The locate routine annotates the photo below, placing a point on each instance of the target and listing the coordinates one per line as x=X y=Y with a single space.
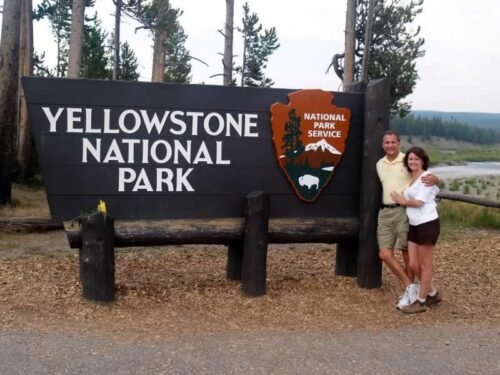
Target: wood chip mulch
x=175 y=290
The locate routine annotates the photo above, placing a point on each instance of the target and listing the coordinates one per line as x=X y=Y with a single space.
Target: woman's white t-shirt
x=427 y=194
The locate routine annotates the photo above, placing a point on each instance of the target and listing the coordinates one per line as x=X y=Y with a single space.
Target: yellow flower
x=101 y=207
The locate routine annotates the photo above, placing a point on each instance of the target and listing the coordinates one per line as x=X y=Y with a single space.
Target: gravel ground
x=444 y=349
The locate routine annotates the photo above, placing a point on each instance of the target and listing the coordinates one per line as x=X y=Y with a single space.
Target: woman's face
x=414 y=162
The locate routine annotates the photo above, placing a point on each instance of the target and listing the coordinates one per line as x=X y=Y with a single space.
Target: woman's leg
x=425 y=255
x=413 y=259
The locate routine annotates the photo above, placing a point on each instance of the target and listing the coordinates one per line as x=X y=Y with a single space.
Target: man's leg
x=387 y=256
x=408 y=269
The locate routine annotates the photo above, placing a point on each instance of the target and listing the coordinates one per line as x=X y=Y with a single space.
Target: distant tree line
x=437 y=127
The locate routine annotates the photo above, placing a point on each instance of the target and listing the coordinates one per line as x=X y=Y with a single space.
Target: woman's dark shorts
x=426 y=233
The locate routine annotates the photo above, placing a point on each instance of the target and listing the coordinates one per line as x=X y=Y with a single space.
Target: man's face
x=390 y=144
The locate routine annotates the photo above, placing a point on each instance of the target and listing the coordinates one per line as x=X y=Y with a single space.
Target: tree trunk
x=159 y=48
x=9 y=76
x=76 y=39
x=24 y=149
x=116 y=56
x=350 y=37
x=228 y=43
x=368 y=39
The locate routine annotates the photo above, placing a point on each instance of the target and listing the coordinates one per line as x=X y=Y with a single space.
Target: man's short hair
x=391 y=132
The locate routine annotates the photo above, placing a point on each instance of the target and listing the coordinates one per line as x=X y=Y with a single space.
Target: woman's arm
x=400 y=199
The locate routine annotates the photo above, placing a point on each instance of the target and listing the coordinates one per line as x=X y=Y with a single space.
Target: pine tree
x=94 y=58
x=128 y=64
x=58 y=13
x=171 y=59
x=177 y=66
x=292 y=145
x=394 y=47
x=258 y=45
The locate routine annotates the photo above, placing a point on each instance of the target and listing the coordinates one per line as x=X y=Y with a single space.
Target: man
x=392 y=227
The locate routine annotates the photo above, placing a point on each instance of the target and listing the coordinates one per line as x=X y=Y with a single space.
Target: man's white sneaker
x=409 y=296
x=404 y=300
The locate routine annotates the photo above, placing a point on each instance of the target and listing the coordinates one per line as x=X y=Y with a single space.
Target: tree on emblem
x=292 y=145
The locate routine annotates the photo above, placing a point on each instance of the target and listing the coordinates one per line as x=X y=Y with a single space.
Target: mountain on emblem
x=324 y=145
x=309 y=136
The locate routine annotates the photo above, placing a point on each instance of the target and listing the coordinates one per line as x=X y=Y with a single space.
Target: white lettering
x=177 y=121
x=249 y=124
x=154 y=151
x=72 y=118
x=95 y=151
x=88 y=122
x=233 y=123
x=206 y=124
x=125 y=176
x=114 y=153
x=52 y=118
x=182 y=181
x=218 y=157
x=154 y=122
x=107 y=117
x=185 y=151
x=194 y=126
x=164 y=176
x=131 y=148
x=136 y=119
x=142 y=182
x=324 y=133
x=203 y=156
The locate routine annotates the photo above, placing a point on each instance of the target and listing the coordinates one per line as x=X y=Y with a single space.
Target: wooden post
x=346 y=256
x=97 y=258
x=234 y=260
x=377 y=103
x=253 y=282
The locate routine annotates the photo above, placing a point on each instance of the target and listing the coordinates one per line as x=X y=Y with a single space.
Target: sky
x=457 y=73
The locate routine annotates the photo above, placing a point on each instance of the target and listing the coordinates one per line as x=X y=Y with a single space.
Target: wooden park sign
x=178 y=163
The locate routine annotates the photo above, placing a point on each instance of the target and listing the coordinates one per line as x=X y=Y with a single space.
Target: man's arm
x=430 y=179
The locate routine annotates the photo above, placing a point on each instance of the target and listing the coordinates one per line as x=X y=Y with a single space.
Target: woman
x=424 y=227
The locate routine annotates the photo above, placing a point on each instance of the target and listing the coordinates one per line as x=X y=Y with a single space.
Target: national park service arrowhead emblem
x=309 y=135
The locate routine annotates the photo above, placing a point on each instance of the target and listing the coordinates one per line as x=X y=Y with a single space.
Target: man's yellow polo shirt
x=393 y=176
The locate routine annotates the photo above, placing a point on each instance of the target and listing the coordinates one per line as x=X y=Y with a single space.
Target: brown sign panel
x=309 y=135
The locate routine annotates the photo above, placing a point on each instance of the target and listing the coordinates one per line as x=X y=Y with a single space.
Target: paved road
x=449 y=349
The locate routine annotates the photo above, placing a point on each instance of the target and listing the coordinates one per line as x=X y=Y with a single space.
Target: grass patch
x=461 y=215
x=27 y=201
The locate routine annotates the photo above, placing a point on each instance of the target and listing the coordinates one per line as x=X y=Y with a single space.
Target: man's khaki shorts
x=392 y=228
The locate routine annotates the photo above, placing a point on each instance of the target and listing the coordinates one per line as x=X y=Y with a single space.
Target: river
x=467 y=170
